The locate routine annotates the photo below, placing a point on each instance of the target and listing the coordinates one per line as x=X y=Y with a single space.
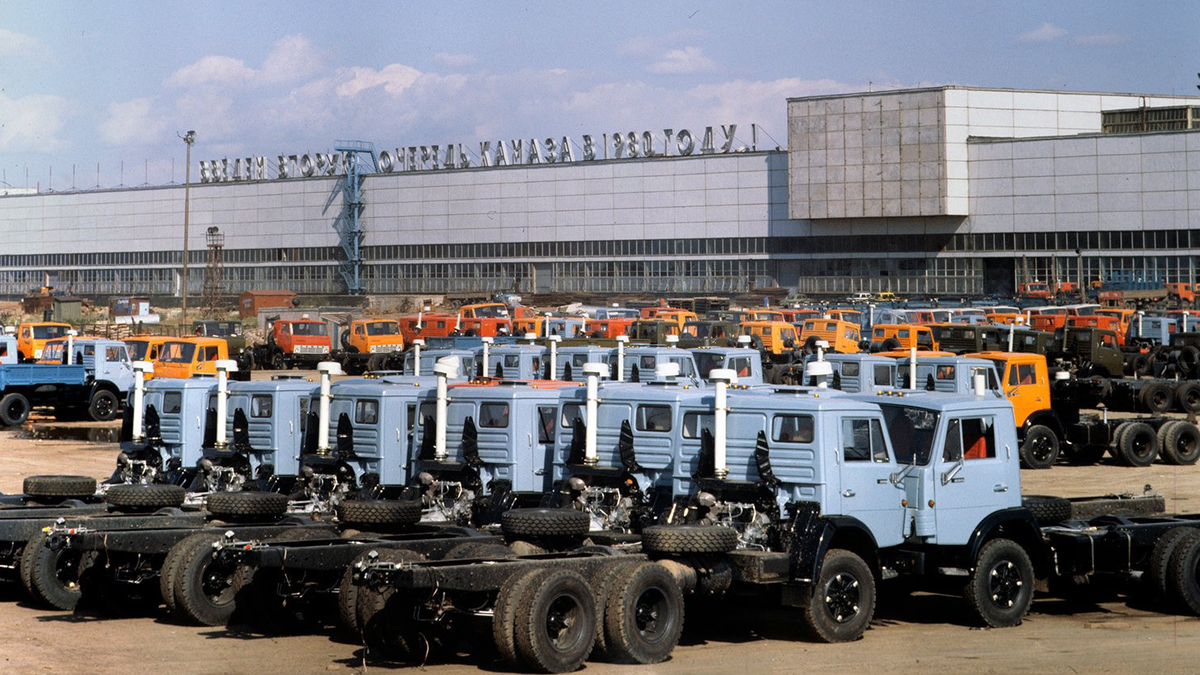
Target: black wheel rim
x=1142 y=446
x=104 y=406
x=563 y=619
x=652 y=614
x=66 y=570
x=1040 y=448
x=843 y=597
x=1185 y=446
x=218 y=583
x=1005 y=584
x=1160 y=400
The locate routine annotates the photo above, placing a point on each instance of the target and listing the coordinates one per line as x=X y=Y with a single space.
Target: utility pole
x=189 y=138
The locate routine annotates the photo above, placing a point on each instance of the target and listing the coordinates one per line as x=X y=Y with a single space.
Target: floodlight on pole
x=188 y=138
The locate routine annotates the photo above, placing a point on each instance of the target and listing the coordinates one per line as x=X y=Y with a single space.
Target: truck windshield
x=49 y=332
x=177 y=352
x=706 y=362
x=137 y=350
x=491 y=312
x=911 y=431
x=383 y=328
x=217 y=328
x=309 y=329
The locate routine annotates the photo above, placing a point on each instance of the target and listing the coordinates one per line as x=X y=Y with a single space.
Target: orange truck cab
x=427 y=325
x=32 y=337
x=532 y=324
x=767 y=315
x=772 y=338
x=145 y=348
x=1099 y=321
x=1181 y=293
x=843 y=336
x=1025 y=379
x=1047 y=322
x=653 y=312
x=374 y=336
x=1034 y=289
x=485 y=326
x=1006 y=318
x=296 y=342
x=902 y=336
x=608 y=328
x=188 y=356
x=679 y=316
x=1125 y=318
x=484 y=310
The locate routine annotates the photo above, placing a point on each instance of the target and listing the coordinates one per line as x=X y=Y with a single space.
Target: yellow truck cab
x=32 y=337
x=773 y=337
x=1025 y=379
x=886 y=337
x=188 y=356
x=678 y=316
x=374 y=336
x=843 y=336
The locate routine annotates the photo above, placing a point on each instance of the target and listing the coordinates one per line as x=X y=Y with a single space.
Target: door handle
x=882 y=481
x=848 y=493
x=1000 y=488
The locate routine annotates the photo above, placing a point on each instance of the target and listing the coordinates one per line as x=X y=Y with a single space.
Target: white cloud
x=1047 y=32
x=652 y=46
x=19 y=44
x=682 y=62
x=394 y=78
x=293 y=58
x=219 y=70
x=454 y=60
x=132 y=123
x=32 y=122
x=1101 y=40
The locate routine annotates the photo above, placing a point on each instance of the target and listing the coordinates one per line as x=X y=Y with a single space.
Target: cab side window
x=653 y=418
x=862 y=441
x=1022 y=373
x=970 y=438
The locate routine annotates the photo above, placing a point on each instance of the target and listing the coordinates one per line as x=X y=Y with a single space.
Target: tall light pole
x=189 y=138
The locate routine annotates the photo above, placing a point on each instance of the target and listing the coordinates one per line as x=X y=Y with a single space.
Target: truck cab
x=609 y=327
x=8 y=349
x=298 y=342
x=570 y=360
x=185 y=357
x=641 y=363
x=468 y=361
x=855 y=373
x=949 y=374
x=171 y=445
x=1092 y=351
x=1026 y=382
x=843 y=336
x=891 y=337
x=229 y=331
x=374 y=336
x=516 y=362
x=32 y=337
x=744 y=362
x=776 y=340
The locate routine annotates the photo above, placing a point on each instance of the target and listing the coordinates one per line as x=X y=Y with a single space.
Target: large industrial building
x=941 y=191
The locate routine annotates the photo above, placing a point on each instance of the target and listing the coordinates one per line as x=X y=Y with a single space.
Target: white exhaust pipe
x=546 y=324
x=621 y=340
x=672 y=341
x=980 y=382
x=71 y=345
x=446 y=367
x=140 y=368
x=224 y=367
x=744 y=341
x=666 y=371
x=1012 y=332
x=593 y=371
x=327 y=369
x=487 y=343
x=721 y=379
x=912 y=368
x=417 y=344
x=531 y=336
x=554 y=340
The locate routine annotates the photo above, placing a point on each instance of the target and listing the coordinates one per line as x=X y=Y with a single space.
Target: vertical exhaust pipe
x=721 y=379
x=744 y=341
x=1012 y=332
x=224 y=367
x=417 y=344
x=672 y=341
x=487 y=343
x=70 y=355
x=531 y=336
x=621 y=340
x=327 y=369
x=593 y=371
x=554 y=340
x=140 y=368
x=980 y=382
x=546 y=324
x=446 y=367
x=912 y=368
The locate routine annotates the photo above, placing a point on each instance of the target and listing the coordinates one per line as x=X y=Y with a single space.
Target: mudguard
x=811 y=535
x=1017 y=524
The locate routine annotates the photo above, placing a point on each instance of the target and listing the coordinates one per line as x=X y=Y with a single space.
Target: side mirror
x=949 y=476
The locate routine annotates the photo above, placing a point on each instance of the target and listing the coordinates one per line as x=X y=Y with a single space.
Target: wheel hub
x=842 y=597
x=1005 y=584
x=561 y=618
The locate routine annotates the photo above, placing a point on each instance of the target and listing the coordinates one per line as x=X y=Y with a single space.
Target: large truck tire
x=843 y=601
x=555 y=627
x=50 y=576
x=544 y=523
x=1181 y=443
x=246 y=504
x=103 y=406
x=1156 y=579
x=1047 y=510
x=643 y=614
x=1040 y=449
x=1184 y=582
x=145 y=496
x=391 y=629
x=205 y=590
x=1138 y=445
x=504 y=614
x=14 y=409
x=65 y=487
x=1156 y=398
x=1187 y=397
x=1000 y=588
x=682 y=539
x=379 y=512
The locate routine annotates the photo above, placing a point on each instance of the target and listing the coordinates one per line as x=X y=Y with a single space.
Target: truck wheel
x=246 y=504
x=602 y=581
x=1187 y=397
x=1047 y=510
x=1040 y=449
x=14 y=410
x=1156 y=398
x=676 y=539
x=643 y=615
x=51 y=577
x=375 y=362
x=347 y=599
x=147 y=497
x=843 y=600
x=520 y=523
x=1158 y=571
x=1000 y=588
x=1138 y=444
x=277 y=362
x=555 y=626
x=386 y=621
x=1184 y=573
x=379 y=512
x=1181 y=445
x=1187 y=360
x=1139 y=365
x=103 y=406
x=65 y=487
x=205 y=588
x=504 y=613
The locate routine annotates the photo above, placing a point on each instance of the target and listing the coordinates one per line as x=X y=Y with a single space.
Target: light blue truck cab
x=8 y=349
x=170 y=445
x=263 y=428
x=642 y=361
x=514 y=362
x=566 y=327
x=829 y=494
x=570 y=360
x=499 y=441
x=952 y=374
x=853 y=373
x=743 y=361
x=93 y=385
x=429 y=357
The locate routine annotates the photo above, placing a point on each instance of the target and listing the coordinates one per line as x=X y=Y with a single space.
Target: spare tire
x=890 y=345
x=246 y=504
x=1187 y=360
x=1138 y=444
x=136 y=496
x=677 y=539
x=379 y=512
x=1047 y=510
x=67 y=487
x=544 y=523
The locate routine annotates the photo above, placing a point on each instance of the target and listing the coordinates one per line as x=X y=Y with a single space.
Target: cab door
x=867 y=492
x=1021 y=387
x=973 y=477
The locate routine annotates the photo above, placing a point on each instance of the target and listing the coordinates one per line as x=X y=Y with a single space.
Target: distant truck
x=366 y=344
x=231 y=333
x=294 y=343
x=32 y=337
x=94 y=386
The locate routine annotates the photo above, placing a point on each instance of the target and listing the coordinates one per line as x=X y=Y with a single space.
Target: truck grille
x=311 y=349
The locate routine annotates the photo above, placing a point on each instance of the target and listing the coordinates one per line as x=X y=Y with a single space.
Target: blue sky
x=112 y=82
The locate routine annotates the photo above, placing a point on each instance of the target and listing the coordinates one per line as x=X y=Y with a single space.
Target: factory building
x=938 y=191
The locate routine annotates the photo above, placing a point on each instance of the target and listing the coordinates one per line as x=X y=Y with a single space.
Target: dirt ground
x=925 y=633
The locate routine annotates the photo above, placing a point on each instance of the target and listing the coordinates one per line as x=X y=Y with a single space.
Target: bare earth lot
x=926 y=633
